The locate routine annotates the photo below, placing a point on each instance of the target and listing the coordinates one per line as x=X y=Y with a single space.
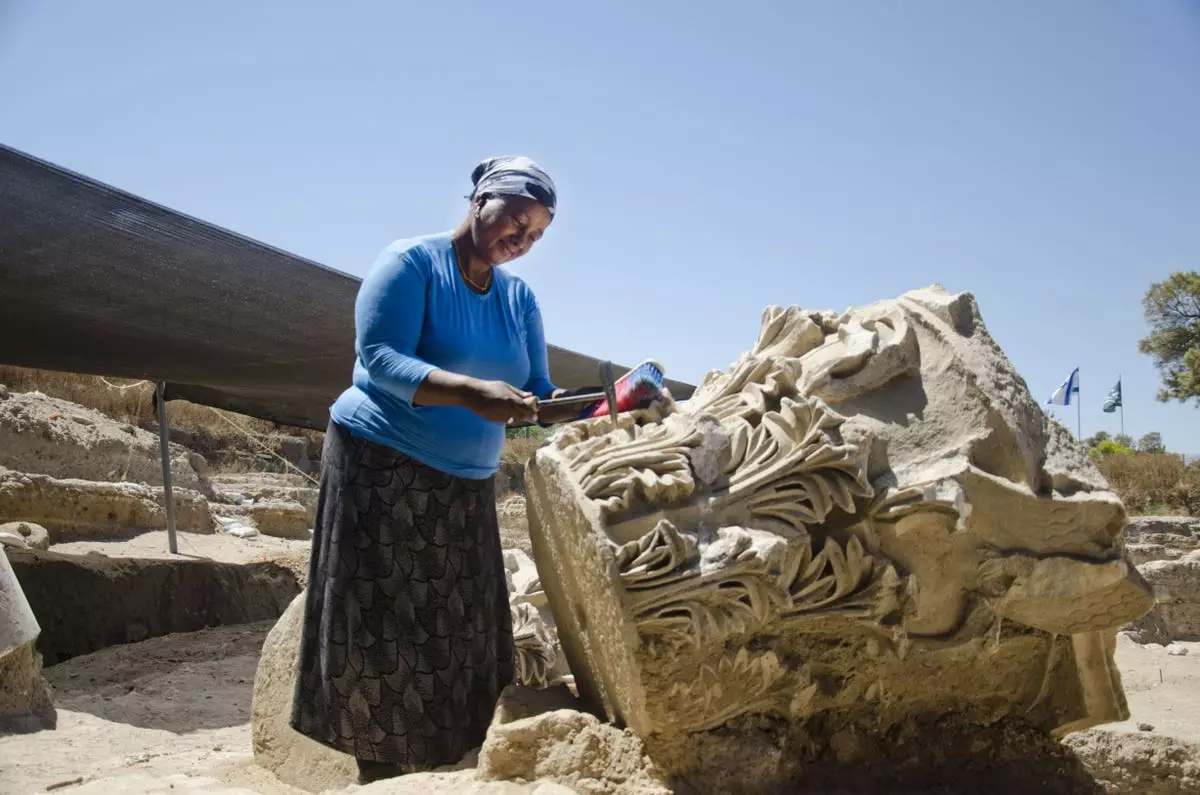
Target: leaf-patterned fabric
x=407 y=632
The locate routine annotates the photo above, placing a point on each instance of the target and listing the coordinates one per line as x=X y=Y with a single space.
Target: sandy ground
x=172 y=714
x=1163 y=688
x=129 y=716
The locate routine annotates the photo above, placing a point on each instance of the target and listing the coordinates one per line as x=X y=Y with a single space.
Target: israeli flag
x=1062 y=395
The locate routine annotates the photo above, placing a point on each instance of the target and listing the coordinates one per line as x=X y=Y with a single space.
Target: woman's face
x=506 y=227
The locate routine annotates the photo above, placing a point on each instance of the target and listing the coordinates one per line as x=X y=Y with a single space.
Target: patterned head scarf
x=514 y=176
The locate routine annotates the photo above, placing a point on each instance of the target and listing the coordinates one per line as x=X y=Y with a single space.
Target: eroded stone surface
x=282 y=519
x=865 y=517
x=72 y=509
x=1176 y=612
x=297 y=760
x=572 y=748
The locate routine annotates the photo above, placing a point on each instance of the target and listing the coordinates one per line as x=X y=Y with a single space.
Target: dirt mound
x=55 y=437
x=89 y=602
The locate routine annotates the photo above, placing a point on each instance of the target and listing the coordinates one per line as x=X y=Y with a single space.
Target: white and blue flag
x=1062 y=395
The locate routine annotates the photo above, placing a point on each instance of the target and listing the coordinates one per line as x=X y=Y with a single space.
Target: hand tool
x=641 y=383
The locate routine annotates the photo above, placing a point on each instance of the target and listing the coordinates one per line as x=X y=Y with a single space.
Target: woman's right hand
x=499 y=401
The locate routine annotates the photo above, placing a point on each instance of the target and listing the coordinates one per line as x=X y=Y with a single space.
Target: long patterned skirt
x=407 y=637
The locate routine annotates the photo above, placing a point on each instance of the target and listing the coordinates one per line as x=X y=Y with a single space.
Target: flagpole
x=1079 y=416
x=1122 y=386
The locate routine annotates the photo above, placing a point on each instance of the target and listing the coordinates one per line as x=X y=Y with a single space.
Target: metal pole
x=164 y=433
x=1121 y=387
x=1079 y=414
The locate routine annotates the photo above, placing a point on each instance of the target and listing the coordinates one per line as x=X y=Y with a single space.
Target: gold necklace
x=482 y=288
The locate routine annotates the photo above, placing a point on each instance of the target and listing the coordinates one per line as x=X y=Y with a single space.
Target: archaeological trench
x=859 y=556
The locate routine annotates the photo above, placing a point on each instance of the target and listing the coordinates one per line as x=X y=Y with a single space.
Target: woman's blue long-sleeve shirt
x=414 y=313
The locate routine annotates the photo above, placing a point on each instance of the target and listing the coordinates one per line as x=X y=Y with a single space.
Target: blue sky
x=711 y=158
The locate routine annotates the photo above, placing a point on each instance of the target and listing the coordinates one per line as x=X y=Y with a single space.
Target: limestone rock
x=571 y=748
x=282 y=519
x=71 y=509
x=294 y=758
x=865 y=517
x=23 y=691
x=54 y=437
x=30 y=535
x=1176 y=613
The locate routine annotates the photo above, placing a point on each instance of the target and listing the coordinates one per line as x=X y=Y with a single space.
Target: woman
x=407 y=637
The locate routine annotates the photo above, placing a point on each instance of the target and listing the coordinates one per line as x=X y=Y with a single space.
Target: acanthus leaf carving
x=792 y=469
x=737 y=683
x=657 y=558
x=743 y=579
x=649 y=464
x=535 y=645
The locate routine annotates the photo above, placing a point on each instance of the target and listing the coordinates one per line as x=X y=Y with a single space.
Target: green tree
x=1172 y=309
x=1123 y=440
x=1113 y=447
x=1094 y=441
x=1151 y=443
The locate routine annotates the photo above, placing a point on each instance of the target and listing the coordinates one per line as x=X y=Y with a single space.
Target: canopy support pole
x=164 y=434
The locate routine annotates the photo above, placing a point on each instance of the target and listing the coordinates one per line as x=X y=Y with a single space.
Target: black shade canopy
x=96 y=280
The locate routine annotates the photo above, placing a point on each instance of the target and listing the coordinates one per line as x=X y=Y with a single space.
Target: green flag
x=1113 y=401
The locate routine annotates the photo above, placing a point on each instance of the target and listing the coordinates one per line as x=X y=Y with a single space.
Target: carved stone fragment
x=865 y=514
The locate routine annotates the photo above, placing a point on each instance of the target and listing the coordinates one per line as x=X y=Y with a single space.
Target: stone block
x=866 y=517
x=282 y=519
